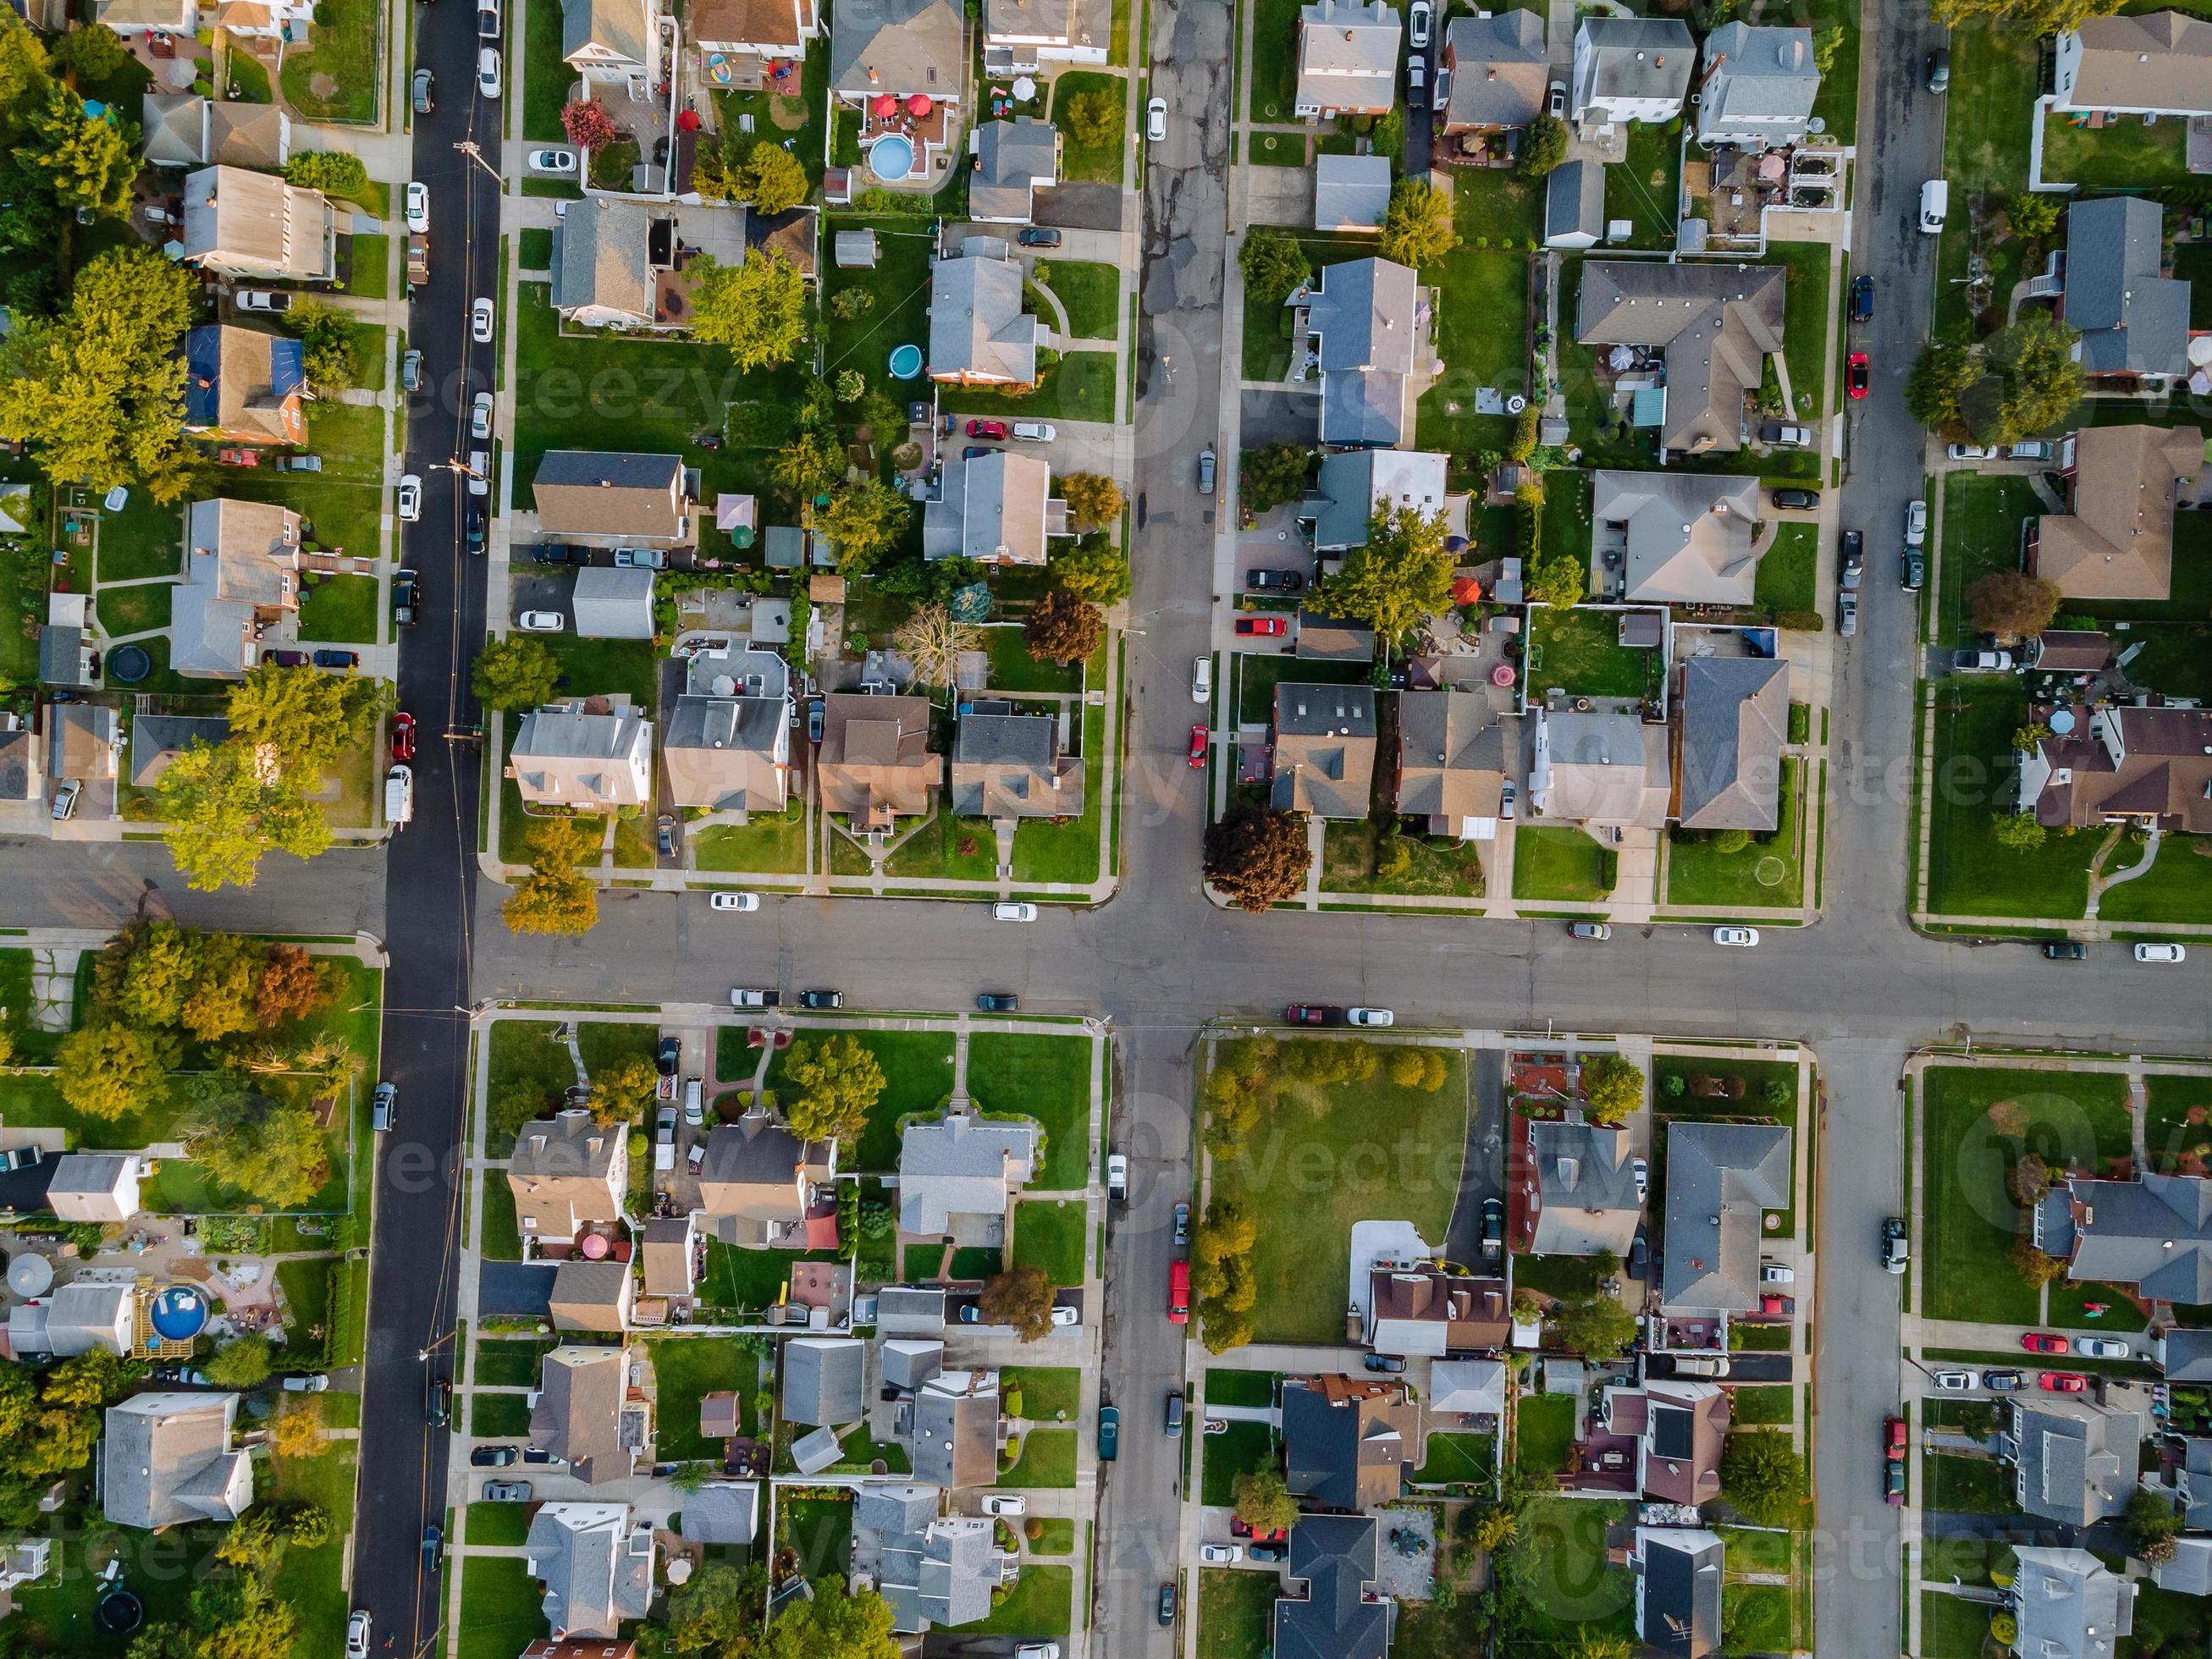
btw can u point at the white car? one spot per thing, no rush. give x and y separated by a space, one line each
418 209
262 300
480 416
540 621
488 77
1916 524
1156 121
1201 679
1416 15
1954 1382
2160 953
1370 1016
1037 1650
358 1632
1034 431
1117 1178
2100 1347
316 1383
1220 1555
1013 1503
734 901
1014 910
479 472
482 315
410 499
1642 1171
560 163
1746 936
1063 1317
1774 1273
1970 452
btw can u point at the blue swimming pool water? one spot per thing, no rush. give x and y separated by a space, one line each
905 361
891 158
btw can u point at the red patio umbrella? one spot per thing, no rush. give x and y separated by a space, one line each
918 104
886 106
687 120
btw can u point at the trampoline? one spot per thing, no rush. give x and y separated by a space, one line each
129 664
890 158
905 361
180 1313
119 1612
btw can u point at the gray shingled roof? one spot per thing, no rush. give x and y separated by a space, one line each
721 1512
1720 1176
594 1580
1347 54
1351 193
1587 1183
1334 1556
1735 718
166 1458
1759 81
2154 1232
158 739
577 1414
1009 766
1371 318
896 46
1012 159
600 259
956 1430
2185 1355
961 1164
910 1310
1499 68
2076 1460
822 1383
1683 1571
2132 319
1716 324
976 322
622 26
2068 1604
1574 201
1634 57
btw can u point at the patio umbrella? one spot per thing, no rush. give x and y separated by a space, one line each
688 121
918 104
886 106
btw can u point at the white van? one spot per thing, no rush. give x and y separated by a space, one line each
1934 202
398 795
488 27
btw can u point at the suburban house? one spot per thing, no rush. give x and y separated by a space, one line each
2189 1572
1351 193
874 762
1456 753
1348 1443
910 1310
567 1173
1347 59
2153 1232
2192 1482
2183 1355
166 1460
2070 651
932 1569
129 18
1574 205
1758 87
1009 162
583 1415
1324 749
568 755
901 62
1468 1395
1714 325
948 1420
83 741
958 1174
2157 63
243 386
1602 769
1721 1178
1342 1614
1679 1426
1684 538
978 335
578 1647
1008 766
1499 68
2068 1603
1353 485
1364 327
25 1561
184 130
1731 720
95 1186
67 656
2133 318
2122 483
668 1246
611 603
761 1186
721 1512
2118 762
823 1381
1020 37
614 45
592 1296
82 1315
608 259
1630 69
19 761
1427 1310
2074 1460
1681 1572
1324 636
1578 1188
597 1566
254 227
749 34
726 746
603 500
996 508
241 580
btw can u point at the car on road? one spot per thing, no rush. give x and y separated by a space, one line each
1117 1178
359 1634
479 472
480 416
1642 1171
1857 370
1173 1423
1980 660
482 316
1181 1223
410 499
540 621
1853 551
1310 1013
438 1409
1417 18
1167 1605
1199 740
1894 1248
1220 1555
335 659
1370 1016
1951 1382
425 92
1206 463
2100 1347
1014 910
821 999
1110 1433
1156 121
2160 953
668 1058
559 162
1894 1438
1034 431
1010 1503
492 1458
384 1111
729 900
1266 627
1893 1482
2064 950
2062 1383
1969 451
1911 569
754 997
2031 449
489 73
1916 524
1417 79
403 736
267 301
1862 299
1847 615
1388 1363
418 208
1555 101
472 528
506 1491
1493 1225
433 1547
998 1002
1201 679
1279 581
307 1383
2043 1342
1934 206
1796 501
1179 1292
664 829
992 429
1590 930
404 593
410 372
1939 70
1744 937
1039 236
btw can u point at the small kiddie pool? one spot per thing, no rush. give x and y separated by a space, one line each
179 1313
718 68
905 361
891 157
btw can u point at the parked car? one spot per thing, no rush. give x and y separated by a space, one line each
1916 524
1117 1178
1167 1604
664 1139
404 594
1847 616
1205 467
433 1547
1014 910
1370 1016
2031 449
1417 18
1743 936
480 417
998 1002
1862 299
1493 1225
694 1103
729 900
286 659
755 997
821 999
1642 1171
995 430
561 163
483 314
472 528
2064 950
492 1458
1939 70
2043 1342
1590 930
1309 1013
973 453
1951 1382
1007 1504
664 829
1417 78
1893 1482
1265 627
335 659
540 621
1969 451
410 499
1894 1438
384 1110
65 800
1786 437
2003 1381
1173 1423
1388 1363
438 1409
1110 1433
1199 739
1039 236
1913 570
1505 801
2062 1383
1221 1555
1639 1256
1854 558
1279 581
2100 1347
1156 121
359 1633
2160 953
1034 431
1555 101
1182 1222
22 1157
417 208
267 301
1894 1248
1980 660
506 1491
410 370
668 1057
1857 371
1201 679
1796 501
490 77
1775 1272
403 736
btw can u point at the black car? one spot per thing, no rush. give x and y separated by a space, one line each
1493 1226
556 553
536 1455
1639 1255
669 1056
337 658
403 592
2002 1381
1267 1550
1854 544
1390 1363
821 999
1039 236
1281 581
2069 950
665 828
998 1002
439 1409
1863 298
472 526
433 1547
492 1458
1797 500
1167 1604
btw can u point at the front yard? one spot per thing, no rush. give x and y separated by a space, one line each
1562 864
917 1068
1358 856
771 841
1969 873
1046 1078
1052 1234
1767 872
1789 572
1099 163
1236 1611
335 78
1080 387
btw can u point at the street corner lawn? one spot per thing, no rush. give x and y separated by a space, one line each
1970 783
1041 1603
1045 1077
1090 293
2177 886
1236 1610
1764 872
1976 1124
501 1607
340 608
2177 1126
1241 1449
1047 1460
1561 864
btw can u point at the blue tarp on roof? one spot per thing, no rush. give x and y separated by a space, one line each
286 368
203 374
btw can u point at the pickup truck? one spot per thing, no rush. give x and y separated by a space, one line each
664 1141
1786 437
742 998
418 261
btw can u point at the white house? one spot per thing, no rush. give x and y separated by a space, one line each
95 1186
2155 63
1631 68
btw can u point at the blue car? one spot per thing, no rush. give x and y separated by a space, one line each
1110 1433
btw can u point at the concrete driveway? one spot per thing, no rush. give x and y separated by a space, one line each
1080 207
1279 417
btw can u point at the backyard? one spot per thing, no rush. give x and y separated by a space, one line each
1562 864
897 288
1985 147
1646 188
686 1369
1579 652
2122 155
1482 309
1969 872
917 1068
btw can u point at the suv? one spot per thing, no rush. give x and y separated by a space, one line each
1796 501
1911 569
1175 1415
1893 1246
1281 581
1206 465
1862 299
1493 1226
2068 950
384 1112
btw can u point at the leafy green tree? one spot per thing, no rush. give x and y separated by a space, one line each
223 809
100 390
718 1611
240 1362
1401 575
838 1081
772 178
1942 375
325 337
110 1071
2037 16
1020 1297
1093 568
1273 475
1063 628
1612 1087
2020 832
1258 856
81 160
1598 1327
1092 498
91 51
2153 1524
1588 1641
515 673
758 308
1224 1329
225 998
1272 262
307 719
1417 227
833 1624
1227 1232
1763 1476
1094 118
621 1091
1560 582
145 972
2043 381
1263 1501
863 522
334 172
272 1150
809 465
2032 216
1543 146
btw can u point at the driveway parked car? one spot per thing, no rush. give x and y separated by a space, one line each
2003 1381
1952 1382
2062 1382
1221 1555
1267 626
2043 1342
2100 1347
492 1458
1796 501
1417 17
540 621
267 301
506 1491
560 162
336 659
1039 236
993 429
1279 581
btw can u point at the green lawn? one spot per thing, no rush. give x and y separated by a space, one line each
1956 1483
1561 864
1080 387
29 1100
752 1279
1236 1610
1227 1387
1766 872
1041 1603
1985 144
1808 323
1352 853
1241 1449
1981 530
1482 310
369 277
942 846
136 609
523 1055
2124 155
509 1362
340 608
1975 1123
1457 1457
1789 569
1050 1234
593 668
2177 1125
687 1368
917 1068
1968 872
2176 888
898 288
1089 292
142 540
498 1416
1257 675
1578 652
1761 1405
1543 1429
335 78
820 1530
1013 669
499 1525
546 79
1837 101
1048 1459
774 843
1563 1548
1272 90
535 251
1644 188
1951 1628
1275 149
1320 1158
1066 849
1046 1078
1099 163
1049 1392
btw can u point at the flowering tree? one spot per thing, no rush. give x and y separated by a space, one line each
589 127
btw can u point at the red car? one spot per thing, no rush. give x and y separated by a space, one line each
1306 1013
1197 739
1271 626
1855 374
2043 1342
2062 1382
987 430
402 737
1894 1443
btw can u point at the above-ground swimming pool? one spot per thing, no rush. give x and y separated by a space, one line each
890 158
905 361
178 1314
